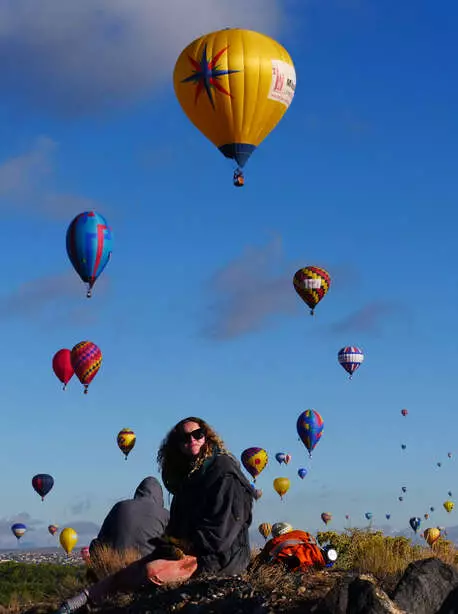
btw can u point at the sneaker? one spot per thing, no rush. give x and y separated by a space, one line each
74 603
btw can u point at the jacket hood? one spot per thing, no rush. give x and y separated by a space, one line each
150 488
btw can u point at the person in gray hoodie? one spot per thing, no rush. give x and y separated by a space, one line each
135 523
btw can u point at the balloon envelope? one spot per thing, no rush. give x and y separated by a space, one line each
302 472
326 517
89 246
18 529
431 535
68 539
86 360
62 366
415 523
404 412
42 484
235 86
350 358
281 486
311 284
265 529
310 428
53 528
448 506
254 460
126 441
280 457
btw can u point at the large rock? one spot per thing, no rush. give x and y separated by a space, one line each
364 597
425 586
357 595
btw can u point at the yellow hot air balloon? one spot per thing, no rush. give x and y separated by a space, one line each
282 485
431 535
68 539
235 85
265 529
448 506
126 441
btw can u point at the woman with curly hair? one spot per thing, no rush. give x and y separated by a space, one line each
212 502
210 515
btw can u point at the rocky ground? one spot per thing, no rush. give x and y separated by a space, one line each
428 586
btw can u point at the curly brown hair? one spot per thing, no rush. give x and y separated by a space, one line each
176 466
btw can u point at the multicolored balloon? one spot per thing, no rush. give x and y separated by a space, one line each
235 85
89 246
126 441
415 523
254 460
426 516
404 412
302 472
86 360
311 284
310 428
326 517
42 484
350 357
62 366
265 528
368 515
287 459
280 457
18 529
53 528
68 539
281 486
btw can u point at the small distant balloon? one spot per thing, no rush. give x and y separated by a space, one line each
302 472
431 509
62 366
281 486
86 360
387 516
448 506
42 484
368 515
403 446
401 498
254 460
404 412
53 528
449 454
89 246
280 457
126 439
311 284
426 516
415 523
351 358
310 428
18 529
265 528
347 517
68 539
439 464
257 492
287 459
404 489
326 517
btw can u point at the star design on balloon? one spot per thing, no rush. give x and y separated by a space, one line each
206 75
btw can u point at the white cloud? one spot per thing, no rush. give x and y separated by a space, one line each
79 56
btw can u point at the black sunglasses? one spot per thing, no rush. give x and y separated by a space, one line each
198 434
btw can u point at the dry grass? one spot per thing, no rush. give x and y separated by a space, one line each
106 561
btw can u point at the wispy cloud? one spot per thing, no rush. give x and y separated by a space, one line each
368 319
27 183
75 57
46 297
248 292
81 506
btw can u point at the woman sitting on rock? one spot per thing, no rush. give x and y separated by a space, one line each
210 515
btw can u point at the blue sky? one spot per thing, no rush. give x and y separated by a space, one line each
196 313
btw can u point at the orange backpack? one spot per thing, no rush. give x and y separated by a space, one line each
297 549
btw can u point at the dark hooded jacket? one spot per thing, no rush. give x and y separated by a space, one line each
134 523
212 510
